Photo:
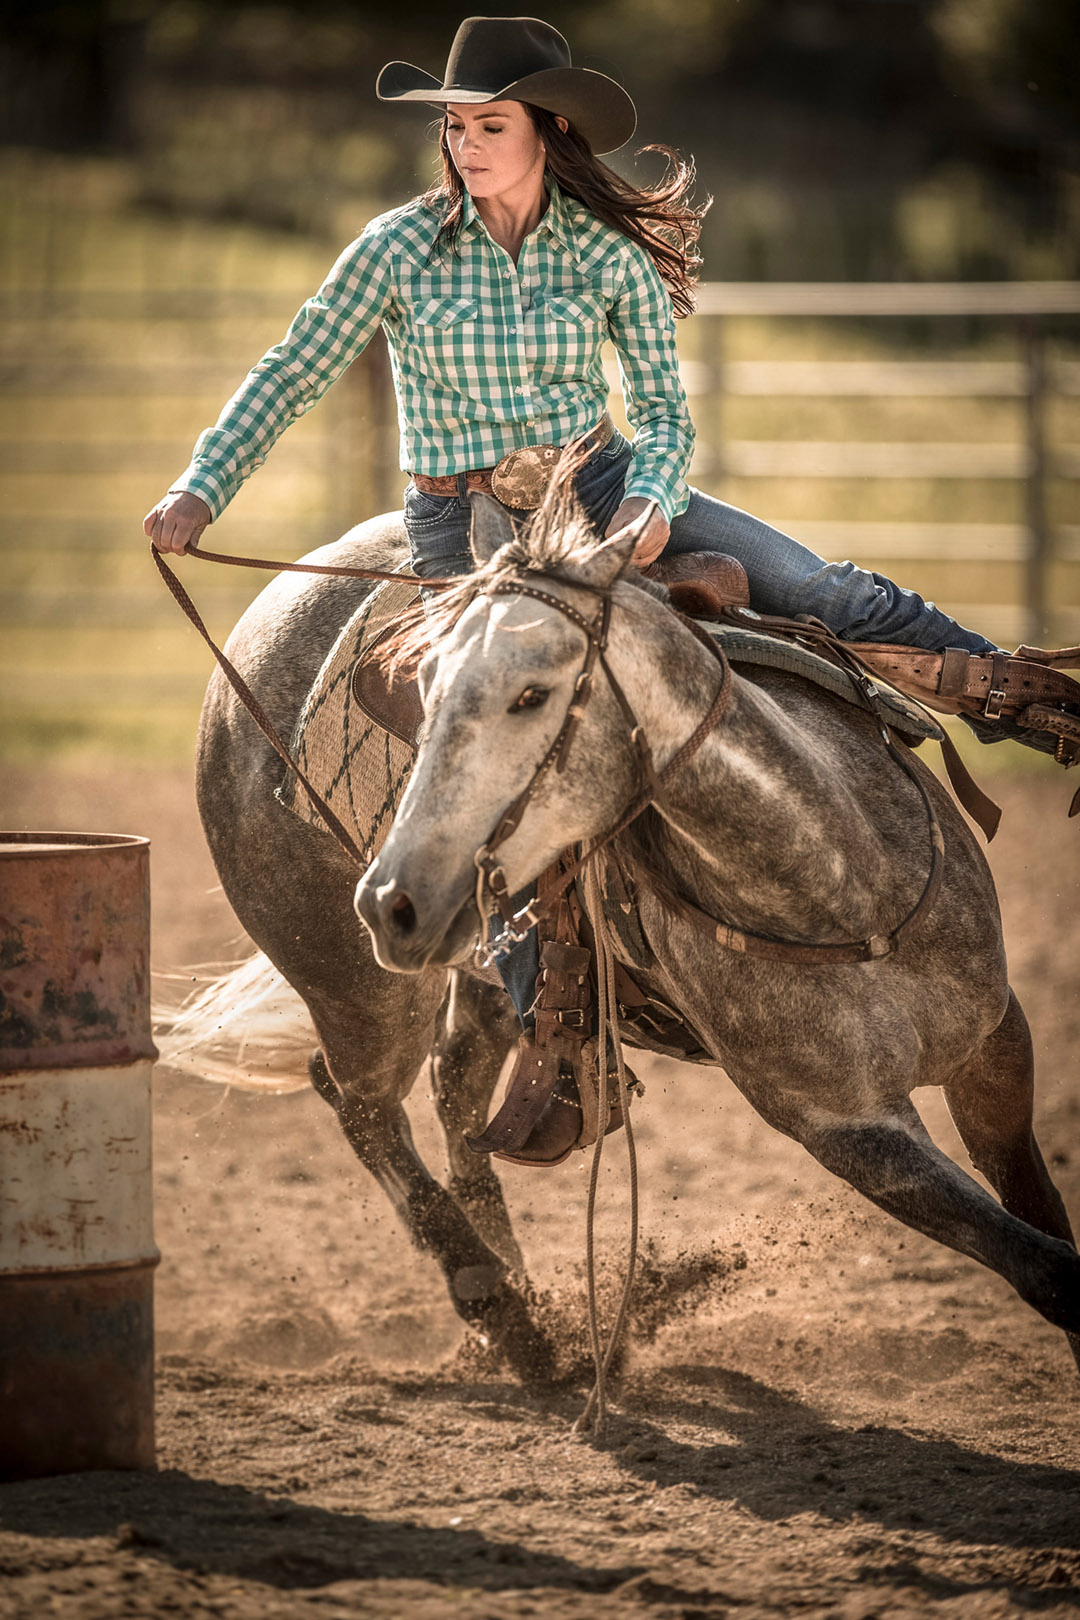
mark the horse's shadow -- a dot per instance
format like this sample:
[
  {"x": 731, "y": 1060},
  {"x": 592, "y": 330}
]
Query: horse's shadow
[
  {"x": 206, "y": 1528},
  {"x": 785, "y": 1458}
]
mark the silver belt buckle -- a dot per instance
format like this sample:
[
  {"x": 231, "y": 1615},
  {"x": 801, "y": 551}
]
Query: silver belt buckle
[{"x": 520, "y": 479}]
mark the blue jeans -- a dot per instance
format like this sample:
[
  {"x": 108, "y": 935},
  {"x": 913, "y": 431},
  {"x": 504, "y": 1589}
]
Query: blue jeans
[{"x": 785, "y": 577}]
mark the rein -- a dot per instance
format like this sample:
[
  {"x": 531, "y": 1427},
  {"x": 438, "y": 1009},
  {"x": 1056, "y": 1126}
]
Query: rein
[
  {"x": 337, "y": 570},
  {"x": 237, "y": 681}
]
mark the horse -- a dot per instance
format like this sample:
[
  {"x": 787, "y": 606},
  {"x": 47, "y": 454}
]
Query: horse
[{"x": 790, "y": 820}]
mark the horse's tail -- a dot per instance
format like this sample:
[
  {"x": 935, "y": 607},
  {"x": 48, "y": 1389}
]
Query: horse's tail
[{"x": 244, "y": 1026}]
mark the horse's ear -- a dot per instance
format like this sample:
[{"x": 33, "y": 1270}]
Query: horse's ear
[
  {"x": 602, "y": 566},
  {"x": 491, "y": 527}
]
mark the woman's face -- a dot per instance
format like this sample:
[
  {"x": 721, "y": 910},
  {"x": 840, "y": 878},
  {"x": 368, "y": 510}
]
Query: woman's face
[{"x": 495, "y": 148}]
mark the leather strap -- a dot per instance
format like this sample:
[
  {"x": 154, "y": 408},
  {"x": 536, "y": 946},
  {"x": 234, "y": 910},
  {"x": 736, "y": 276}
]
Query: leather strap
[
  {"x": 986, "y": 685},
  {"x": 257, "y": 712},
  {"x": 562, "y": 1027}
]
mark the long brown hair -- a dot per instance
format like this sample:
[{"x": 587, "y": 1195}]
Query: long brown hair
[{"x": 658, "y": 218}]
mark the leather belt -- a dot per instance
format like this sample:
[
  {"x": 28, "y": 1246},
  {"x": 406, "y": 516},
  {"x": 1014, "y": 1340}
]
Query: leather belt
[{"x": 520, "y": 479}]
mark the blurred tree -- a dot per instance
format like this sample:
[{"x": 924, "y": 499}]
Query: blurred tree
[
  {"x": 1025, "y": 51},
  {"x": 843, "y": 138}
]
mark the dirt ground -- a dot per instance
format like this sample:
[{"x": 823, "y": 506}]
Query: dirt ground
[{"x": 848, "y": 1421}]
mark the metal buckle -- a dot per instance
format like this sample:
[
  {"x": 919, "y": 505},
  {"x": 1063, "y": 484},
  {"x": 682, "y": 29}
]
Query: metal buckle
[
  {"x": 995, "y": 702},
  {"x": 571, "y": 1017},
  {"x": 520, "y": 479}
]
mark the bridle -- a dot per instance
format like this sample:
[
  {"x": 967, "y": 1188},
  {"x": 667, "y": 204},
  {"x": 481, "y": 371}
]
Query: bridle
[{"x": 492, "y": 891}]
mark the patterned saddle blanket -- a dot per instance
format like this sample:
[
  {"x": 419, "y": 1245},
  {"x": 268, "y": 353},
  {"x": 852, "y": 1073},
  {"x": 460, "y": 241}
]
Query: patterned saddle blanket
[{"x": 359, "y": 768}]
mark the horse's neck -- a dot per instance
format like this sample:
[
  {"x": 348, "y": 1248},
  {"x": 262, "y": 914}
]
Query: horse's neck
[{"x": 760, "y": 824}]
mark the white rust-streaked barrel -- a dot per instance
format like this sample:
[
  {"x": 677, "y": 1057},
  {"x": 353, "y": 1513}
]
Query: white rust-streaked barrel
[{"x": 77, "y": 1252}]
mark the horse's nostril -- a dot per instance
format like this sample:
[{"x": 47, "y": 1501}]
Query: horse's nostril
[{"x": 402, "y": 914}]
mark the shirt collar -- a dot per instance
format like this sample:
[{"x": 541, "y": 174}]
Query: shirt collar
[
  {"x": 470, "y": 219},
  {"x": 561, "y": 219}
]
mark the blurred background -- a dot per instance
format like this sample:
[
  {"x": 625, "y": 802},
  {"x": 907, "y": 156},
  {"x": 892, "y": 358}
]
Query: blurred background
[{"x": 886, "y": 362}]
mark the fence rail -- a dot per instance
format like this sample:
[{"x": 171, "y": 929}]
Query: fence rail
[{"x": 51, "y": 363}]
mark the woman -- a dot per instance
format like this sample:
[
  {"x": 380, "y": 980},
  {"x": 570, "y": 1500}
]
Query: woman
[{"x": 496, "y": 291}]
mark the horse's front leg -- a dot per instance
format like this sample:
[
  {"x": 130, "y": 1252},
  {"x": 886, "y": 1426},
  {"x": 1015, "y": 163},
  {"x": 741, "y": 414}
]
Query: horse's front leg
[
  {"x": 888, "y": 1156},
  {"x": 477, "y": 1028},
  {"x": 364, "y": 1071}
]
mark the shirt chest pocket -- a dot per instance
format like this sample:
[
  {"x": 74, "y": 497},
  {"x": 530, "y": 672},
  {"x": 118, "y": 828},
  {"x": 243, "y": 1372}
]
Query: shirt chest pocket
[
  {"x": 444, "y": 312},
  {"x": 569, "y": 331},
  {"x": 445, "y": 334},
  {"x": 585, "y": 311}
]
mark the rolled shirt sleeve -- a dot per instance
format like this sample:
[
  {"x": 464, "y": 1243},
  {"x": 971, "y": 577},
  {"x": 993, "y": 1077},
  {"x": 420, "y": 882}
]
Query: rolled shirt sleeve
[
  {"x": 642, "y": 326},
  {"x": 329, "y": 332}
]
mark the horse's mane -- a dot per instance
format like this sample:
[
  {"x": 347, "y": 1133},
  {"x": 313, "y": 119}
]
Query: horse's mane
[{"x": 552, "y": 544}]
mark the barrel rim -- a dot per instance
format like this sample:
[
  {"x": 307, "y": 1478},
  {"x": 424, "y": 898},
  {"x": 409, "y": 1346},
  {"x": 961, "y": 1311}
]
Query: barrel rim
[
  {"x": 55, "y": 845},
  {"x": 139, "y": 1262}
]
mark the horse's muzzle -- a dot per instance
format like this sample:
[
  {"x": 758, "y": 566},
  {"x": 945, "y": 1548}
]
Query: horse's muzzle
[{"x": 405, "y": 934}]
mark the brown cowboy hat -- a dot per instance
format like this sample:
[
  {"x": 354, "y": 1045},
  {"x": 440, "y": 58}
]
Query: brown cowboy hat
[{"x": 519, "y": 59}]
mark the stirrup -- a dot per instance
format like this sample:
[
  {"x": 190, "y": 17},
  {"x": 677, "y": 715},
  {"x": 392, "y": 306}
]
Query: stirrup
[{"x": 570, "y": 1118}]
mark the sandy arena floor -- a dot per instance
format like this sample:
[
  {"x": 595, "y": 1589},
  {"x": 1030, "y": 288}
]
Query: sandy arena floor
[{"x": 847, "y": 1421}]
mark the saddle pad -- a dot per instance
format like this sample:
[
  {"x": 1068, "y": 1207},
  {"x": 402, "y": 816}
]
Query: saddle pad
[
  {"x": 360, "y": 769},
  {"x": 755, "y": 647}
]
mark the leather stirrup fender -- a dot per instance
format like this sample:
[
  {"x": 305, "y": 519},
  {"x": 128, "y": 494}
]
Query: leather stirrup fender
[{"x": 391, "y": 698}]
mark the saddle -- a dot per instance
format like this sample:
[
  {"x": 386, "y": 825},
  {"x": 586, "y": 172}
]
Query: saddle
[{"x": 552, "y": 1104}]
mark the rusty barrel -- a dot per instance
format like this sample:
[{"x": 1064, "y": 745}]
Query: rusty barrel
[{"x": 77, "y": 1252}]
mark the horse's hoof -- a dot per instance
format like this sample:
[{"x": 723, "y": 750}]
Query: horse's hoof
[{"x": 506, "y": 1323}]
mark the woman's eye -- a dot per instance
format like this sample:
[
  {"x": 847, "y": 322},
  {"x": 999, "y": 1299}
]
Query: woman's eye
[{"x": 531, "y": 698}]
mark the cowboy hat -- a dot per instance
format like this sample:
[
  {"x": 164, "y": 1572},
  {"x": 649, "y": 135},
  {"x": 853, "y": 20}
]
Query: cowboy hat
[{"x": 519, "y": 59}]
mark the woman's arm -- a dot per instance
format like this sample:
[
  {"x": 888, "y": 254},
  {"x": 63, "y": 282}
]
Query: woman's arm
[
  {"x": 642, "y": 327},
  {"x": 328, "y": 333}
]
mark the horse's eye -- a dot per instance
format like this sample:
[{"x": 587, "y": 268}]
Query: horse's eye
[{"x": 531, "y": 698}]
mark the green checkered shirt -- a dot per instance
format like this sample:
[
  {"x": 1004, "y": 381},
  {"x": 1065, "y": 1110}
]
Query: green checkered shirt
[{"x": 488, "y": 355}]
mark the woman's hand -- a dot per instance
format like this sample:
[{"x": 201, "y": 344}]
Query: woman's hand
[
  {"x": 655, "y": 536},
  {"x": 177, "y": 519}
]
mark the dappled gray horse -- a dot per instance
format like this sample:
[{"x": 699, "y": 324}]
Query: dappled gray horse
[{"x": 790, "y": 821}]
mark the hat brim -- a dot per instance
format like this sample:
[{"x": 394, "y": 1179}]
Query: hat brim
[{"x": 596, "y": 105}]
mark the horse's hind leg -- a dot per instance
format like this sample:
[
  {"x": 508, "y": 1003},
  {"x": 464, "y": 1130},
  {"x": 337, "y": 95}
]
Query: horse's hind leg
[
  {"x": 477, "y": 1027},
  {"x": 893, "y": 1162},
  {"x": 991, "y": 1101}
]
